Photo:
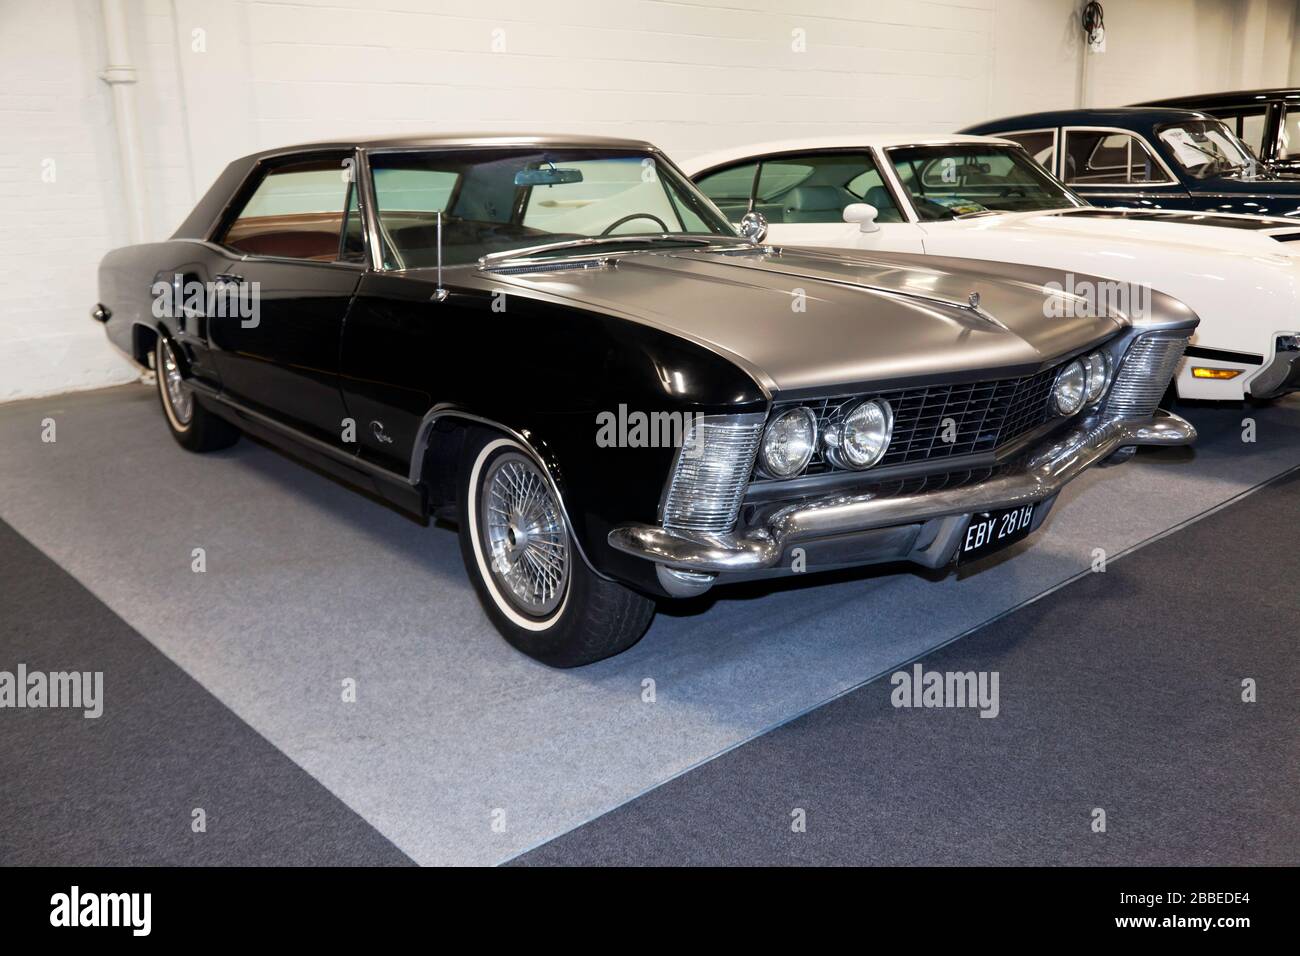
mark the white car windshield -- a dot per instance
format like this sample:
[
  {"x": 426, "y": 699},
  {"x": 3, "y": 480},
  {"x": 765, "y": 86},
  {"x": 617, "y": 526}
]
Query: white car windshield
[
  {"x": 1207, "y": 148},
  {"x": 957, "y": 180}
]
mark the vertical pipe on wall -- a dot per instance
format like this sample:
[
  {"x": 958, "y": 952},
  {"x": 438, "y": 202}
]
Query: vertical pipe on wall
[{"x": 119, "y": 74}]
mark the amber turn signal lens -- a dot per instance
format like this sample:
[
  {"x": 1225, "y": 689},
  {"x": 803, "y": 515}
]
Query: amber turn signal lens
[{"x": 1198, "y": 372}]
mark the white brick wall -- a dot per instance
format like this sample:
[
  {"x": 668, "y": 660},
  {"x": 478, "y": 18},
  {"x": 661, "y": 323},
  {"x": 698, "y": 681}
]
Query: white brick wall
[{"x": 688, "y": 74}]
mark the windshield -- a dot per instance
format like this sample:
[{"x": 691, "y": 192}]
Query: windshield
[
  {"x": 495, "y": 199},
  {"x": 1207, "y": 148},
  {"x": 956, "y": 180}
]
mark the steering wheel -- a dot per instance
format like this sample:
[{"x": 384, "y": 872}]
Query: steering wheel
[{"x": 636, "y": 215}]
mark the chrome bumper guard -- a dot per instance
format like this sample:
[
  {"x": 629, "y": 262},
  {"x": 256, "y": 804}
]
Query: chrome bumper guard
[{"x": 1039, "y": 476}]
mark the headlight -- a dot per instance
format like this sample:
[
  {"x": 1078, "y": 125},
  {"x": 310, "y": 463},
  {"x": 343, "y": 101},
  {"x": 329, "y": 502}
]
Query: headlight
[
  {"x": 1071, "y": 383},
  {"x": 862, "y": 436},
  {"x": 1098, "y": 365},
  {"x": 789, "y": 442}
]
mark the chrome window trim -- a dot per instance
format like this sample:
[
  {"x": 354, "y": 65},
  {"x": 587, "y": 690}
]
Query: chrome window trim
[{"x": 1170, "y": 180}]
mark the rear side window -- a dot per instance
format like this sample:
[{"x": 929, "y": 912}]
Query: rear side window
[
  {"x": 296, "y": 212},
  {"x": 1039, "y": 143}
]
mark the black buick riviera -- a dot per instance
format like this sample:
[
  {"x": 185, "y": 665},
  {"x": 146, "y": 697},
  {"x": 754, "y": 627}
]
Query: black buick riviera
[{"x": 560, "y": 344}]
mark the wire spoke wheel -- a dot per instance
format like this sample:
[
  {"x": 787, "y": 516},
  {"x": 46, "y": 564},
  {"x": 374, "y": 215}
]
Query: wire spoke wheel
[
  {"x": 524, "y": 535},
  {"x": 179, "y": 396}
]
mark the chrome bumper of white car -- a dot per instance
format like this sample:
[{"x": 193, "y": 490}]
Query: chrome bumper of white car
[{"x": 865, "y": 528}]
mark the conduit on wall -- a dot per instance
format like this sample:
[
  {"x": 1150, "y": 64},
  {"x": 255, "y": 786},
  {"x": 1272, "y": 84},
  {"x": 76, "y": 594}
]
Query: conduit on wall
[{"x": 119, "y": 74}]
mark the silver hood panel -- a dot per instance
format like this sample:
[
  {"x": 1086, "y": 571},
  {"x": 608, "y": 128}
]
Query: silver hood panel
[{"x": 867, "y": 319}]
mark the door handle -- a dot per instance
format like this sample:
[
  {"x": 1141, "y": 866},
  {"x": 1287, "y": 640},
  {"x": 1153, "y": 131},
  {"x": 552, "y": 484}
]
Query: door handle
[{"x": 229, "y": 278}]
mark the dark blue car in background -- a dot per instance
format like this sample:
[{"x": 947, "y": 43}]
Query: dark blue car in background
[{"x": 1150, "y": 158}]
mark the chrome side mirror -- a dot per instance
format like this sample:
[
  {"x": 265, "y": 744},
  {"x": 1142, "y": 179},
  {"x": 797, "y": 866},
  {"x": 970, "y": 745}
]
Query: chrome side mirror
[
  {"x": 753, "y": 226},
  {"x": 864, "y": 214}
]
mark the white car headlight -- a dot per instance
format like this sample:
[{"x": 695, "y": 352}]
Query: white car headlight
[
  {"x": 789, "y": 443},
  {"x": 1071, "y": 384},
  {"x": 862, "y": 436},
  {"x": 1098, "y": 367}
]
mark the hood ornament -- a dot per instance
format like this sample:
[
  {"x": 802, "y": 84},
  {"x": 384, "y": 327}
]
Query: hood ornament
[{"x": 974, "y": 300}]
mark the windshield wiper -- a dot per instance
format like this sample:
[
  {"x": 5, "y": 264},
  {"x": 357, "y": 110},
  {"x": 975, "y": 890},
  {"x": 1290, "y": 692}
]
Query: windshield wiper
[{"x": 525, "y": 252}]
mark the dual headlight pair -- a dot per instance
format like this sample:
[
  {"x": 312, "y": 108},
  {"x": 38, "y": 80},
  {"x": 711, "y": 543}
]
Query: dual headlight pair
[
  {"x": 1081, "y": 382},
  {"x": 856, "y": 439},
  {"x": 859, "y": 436}
]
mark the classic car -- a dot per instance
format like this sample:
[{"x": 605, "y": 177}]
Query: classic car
[
  {"x": 1268, "y": 121},
  {"x": 561, "y": 345},
  {"x": 1150, "y": 158},
  {"x": 985, "y": 198}
]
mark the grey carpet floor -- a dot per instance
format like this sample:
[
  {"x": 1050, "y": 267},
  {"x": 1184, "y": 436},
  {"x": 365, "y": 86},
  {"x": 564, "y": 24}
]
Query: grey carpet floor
[
  {"x": 1121, "y": 691},
  {"x": 458, "y": 749},
  {"x": 122, "y": 788}
]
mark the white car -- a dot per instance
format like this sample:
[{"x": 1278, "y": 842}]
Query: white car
[{"x": 985, "y": 198}]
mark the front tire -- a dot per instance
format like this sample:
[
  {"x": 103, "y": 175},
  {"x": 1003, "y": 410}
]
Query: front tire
[
  {"x": 193, "y": 426},
  {"x": 532, "y": 582}
]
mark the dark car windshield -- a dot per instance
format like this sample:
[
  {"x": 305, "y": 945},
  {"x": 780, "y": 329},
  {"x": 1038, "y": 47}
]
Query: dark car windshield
[
  {"x": 966, "y": 179},
  {"x": 1207, "y": 148},
  {"x": 503, "y": 198}
]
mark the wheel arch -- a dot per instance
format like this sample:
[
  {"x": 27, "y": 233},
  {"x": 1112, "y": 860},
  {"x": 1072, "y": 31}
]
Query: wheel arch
[{"x": 438, "y": 453}]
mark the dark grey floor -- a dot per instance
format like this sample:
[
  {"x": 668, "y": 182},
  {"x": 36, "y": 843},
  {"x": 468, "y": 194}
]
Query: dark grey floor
[
  {"x": 1121, "y": 691},
  {"x": 122, "y": 788}
]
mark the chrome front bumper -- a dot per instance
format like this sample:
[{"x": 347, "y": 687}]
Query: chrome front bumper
[{"x": 1039, "y": 476}]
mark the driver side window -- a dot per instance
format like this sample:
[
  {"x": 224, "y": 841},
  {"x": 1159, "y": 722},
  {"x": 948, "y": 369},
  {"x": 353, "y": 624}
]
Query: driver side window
[
  {"x": 815, "y": 188},
  {"x": 1104, "y": 157}
]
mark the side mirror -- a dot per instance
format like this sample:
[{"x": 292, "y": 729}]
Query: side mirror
[
  {"x": 753, "y": 226},
  {"x": 864, "y": 214}
]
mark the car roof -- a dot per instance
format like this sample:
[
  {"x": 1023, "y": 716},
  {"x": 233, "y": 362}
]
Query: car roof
[
  {"x": 1124, "y": 117},
  {"x": 721, "y": 157},
  {"x": 1227, "y": 96},
  {"x": 437, "y": 140}
]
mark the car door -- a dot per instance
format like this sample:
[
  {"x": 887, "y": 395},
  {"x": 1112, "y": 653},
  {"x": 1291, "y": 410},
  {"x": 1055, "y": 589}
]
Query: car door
[
  {"x": 293, "y": 248},
  {"x": 803, "y": 196},
  {"x": 1118, "y": 168}
]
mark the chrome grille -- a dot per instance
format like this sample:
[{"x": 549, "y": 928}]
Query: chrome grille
[
  {"x": 711, "y": 473},
  {"x": 986, "y": 416},
  {"x": 1144, "y": 374}
]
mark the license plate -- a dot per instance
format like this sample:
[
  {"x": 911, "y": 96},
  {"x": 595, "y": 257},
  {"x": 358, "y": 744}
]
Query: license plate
[{"x": 995, "y": 529}]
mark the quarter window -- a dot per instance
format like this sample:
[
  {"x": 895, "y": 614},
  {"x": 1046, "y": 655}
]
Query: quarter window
[
  {"x": 296, "y": 212},
  {"x": 1103, "y": 158}
]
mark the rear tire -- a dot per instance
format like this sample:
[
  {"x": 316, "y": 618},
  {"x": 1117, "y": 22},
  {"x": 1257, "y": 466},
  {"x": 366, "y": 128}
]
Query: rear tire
[
  {"x": 520, "y": 553},
  {"x": 193, "y": 426}
]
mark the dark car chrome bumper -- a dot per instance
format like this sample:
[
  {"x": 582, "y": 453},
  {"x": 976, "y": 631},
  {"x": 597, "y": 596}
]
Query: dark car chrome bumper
[{"x": 874, "y": 520}]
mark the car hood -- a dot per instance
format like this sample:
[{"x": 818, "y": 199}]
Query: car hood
[
  {"x": 1141, "y": 230},
  {"x": 803, "y": 322}
]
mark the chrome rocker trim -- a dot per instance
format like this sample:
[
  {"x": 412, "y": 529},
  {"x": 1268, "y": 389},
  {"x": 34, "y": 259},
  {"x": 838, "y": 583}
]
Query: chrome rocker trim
[{"x": 1042, "y": 474}]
